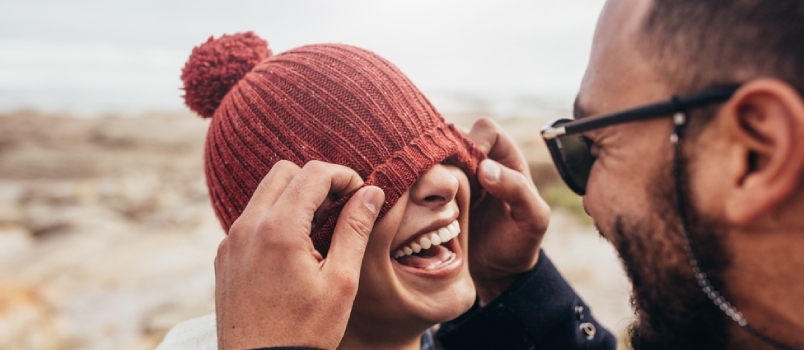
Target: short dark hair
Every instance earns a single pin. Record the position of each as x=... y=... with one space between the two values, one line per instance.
x=699 y=44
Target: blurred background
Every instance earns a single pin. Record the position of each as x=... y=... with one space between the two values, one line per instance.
x=107 y=236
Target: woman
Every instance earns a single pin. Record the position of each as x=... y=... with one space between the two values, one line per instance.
x=345 y=105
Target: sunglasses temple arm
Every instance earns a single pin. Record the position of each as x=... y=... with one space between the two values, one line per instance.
x=648 y=112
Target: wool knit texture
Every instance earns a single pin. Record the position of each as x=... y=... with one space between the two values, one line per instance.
x=334 y=103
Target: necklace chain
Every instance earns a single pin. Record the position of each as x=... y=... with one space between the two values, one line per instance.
x=680 y=120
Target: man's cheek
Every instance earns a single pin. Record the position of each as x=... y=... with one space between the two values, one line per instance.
x=596 y=199
x=606 y=200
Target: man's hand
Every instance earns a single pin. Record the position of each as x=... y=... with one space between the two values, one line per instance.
x=507 y=227
x=272 y=288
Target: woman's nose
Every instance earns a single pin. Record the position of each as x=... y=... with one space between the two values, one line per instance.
x=437 y=187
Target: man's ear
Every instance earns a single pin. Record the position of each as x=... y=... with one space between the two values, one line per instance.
x=764 y=121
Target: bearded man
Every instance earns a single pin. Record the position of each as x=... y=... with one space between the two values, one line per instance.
x=703 y=200
x=688 y=149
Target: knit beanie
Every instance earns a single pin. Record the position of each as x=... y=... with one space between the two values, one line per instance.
x=334 y=103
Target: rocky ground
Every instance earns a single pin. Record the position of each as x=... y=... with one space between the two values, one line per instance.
x=107 y=237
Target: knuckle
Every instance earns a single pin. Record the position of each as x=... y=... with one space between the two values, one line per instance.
x=484 y=132
x=284 y=164
x=346 y=282
x=360 y=225
x=274 y=233
x=267 y=224
x=223 y=249
x=265 y=184
x=283 y=169
x=315 y=165
x=254 y=229
x=517 y=181
x=519 y=190
x=316 y=169
x=485 y=123
x=279 y=169
x=239 y=227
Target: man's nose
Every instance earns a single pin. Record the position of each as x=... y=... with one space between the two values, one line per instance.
x=437 y=187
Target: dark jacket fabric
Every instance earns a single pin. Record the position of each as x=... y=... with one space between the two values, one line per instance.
x=539 y=311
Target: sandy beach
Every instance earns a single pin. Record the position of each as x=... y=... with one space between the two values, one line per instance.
x=107 y=236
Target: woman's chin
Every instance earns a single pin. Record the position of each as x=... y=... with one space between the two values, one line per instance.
x=413 y=311
x=446 y=304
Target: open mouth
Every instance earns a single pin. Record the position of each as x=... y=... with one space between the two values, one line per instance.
x=430 y=251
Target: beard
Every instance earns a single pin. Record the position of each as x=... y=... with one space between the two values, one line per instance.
x=672 y=310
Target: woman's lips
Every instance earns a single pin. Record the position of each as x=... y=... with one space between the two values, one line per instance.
x=429 y=259
x=428 y=240
x=433 y=254
x=441 y=261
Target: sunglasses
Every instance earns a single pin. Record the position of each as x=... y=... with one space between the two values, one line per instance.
x=571 y=151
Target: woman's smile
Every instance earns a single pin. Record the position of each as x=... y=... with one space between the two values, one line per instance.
x=433 y=253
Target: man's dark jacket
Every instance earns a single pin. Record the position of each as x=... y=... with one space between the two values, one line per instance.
x=539 y=311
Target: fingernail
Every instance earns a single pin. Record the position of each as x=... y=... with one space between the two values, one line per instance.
x=373 y=199
x=490 y=170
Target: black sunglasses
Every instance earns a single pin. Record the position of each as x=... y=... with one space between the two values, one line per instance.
x=571 y=151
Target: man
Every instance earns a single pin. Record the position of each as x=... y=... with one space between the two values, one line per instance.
x=701 y=194
x=741 y=164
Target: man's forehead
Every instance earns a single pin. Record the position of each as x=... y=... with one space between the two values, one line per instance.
x=618 y=75
x=579 y=111
x=621 y=20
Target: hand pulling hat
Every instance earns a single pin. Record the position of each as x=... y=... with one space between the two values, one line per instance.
x=329 y=102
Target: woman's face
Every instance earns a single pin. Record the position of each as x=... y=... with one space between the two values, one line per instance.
x=415 y=271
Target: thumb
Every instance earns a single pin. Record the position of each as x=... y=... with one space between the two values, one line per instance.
x=514 y=188
x=352 y=231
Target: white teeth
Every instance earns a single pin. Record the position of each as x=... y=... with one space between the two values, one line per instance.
x=444 y=234
x=427 y=241
x=454 y=229
x=435 y=238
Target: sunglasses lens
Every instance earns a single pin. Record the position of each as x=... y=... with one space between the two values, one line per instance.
x=573 y=160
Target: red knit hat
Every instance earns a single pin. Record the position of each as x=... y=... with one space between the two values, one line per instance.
x=334 y=103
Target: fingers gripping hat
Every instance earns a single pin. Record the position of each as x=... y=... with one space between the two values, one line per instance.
x=333 y=103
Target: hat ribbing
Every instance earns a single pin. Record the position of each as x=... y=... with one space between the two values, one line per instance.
x=334 y=103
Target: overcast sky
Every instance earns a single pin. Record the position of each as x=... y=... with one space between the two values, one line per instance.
x=90 y=56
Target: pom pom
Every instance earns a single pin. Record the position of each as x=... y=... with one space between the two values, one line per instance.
x=216 y=66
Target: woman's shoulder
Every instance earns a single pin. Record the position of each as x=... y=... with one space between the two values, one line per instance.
x=197 y=333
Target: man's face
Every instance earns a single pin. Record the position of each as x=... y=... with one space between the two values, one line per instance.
x=631 y=191
x=415 y=272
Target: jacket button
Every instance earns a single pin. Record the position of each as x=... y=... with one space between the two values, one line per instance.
x=579 y=312
x=588 y=330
